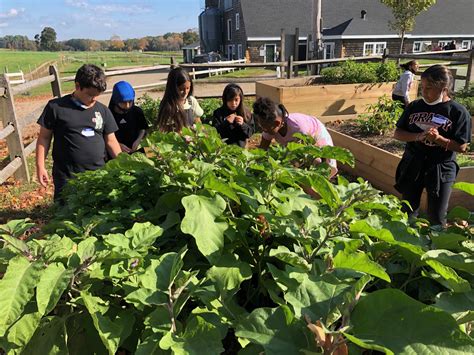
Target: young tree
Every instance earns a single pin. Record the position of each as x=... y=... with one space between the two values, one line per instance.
x=404 y=12
x=48 y=39
x=116 y=43
x=190 y=36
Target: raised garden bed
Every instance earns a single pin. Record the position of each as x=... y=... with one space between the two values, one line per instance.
x=378 y=166
x=322 y=100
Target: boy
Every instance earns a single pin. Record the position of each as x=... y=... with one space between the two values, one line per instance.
x=82 y=128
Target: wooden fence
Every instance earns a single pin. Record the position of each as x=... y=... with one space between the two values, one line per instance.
x=12 y=127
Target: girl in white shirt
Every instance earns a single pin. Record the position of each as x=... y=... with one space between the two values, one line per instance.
x=403 y=86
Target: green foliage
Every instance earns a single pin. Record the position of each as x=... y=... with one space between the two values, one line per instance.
x=351 y=72
x=466 y=98
x=209 y=106
x=150 y=108
x=381 y=117
x=405 y=13
x=205 y=248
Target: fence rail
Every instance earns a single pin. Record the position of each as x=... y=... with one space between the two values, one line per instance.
x=12 y=126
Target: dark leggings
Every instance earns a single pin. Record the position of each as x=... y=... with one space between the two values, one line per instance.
x=437 y=203
x=399 y=98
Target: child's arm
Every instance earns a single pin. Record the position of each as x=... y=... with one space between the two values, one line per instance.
x=42 y=147
x=112 y=145
x=137 y=141
x=264 y=144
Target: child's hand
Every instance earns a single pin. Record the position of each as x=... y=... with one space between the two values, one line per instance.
x=125 y=148
x=432 y=135
x=43 y=177
x=239 y=120
x=231 y=118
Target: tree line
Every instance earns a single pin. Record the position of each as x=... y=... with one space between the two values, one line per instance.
x=47 y=41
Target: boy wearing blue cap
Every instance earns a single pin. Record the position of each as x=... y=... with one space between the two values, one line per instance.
x=81 y=128
x=130 y=119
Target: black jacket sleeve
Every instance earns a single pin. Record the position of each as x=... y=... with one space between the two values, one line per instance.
x=247 y=129
x=225 y=129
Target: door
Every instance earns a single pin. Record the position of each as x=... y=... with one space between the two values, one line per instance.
x=329 y=50
x=270 y=50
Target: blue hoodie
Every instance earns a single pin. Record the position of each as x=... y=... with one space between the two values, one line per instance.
x=122 y=92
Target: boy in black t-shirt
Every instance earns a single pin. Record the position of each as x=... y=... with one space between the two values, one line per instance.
x=83 y=129
x=434 y=128
x=130 y=119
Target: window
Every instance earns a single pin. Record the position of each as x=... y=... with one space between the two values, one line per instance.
x=229 y=30
x=239 y=52
x=237 y=21
x=227 y=4
x=421 y=46
x=230 y=52
x=374 y=48
x=443 y=43
x=466 y=44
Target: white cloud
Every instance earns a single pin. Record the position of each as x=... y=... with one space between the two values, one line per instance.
x=112 y=8
x=11 y=13
x=108 y=25
x=3 y=24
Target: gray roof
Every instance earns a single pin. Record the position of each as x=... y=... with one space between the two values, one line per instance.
x=265 y=18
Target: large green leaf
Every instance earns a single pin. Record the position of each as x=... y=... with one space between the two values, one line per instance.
x=20 y=333
x=228 y=273
x=390 y=321
x=50 y=338
x=16 y=289
x=112 y=332
x=461 y=261
x=200 y=222
x=16 y=227
x=162 y=272
x=151 y=346
x=277 y=331
x=200 y=337
x=143 y=235
x=465 y=186
x=287 y=256
x=315 y=297
x=53 y=281
x=359 y=261
x=459 y=305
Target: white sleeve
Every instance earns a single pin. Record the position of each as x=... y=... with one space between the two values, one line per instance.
x=406 y=81
x=197 y=109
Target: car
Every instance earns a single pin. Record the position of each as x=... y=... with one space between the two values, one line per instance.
x=207 y=58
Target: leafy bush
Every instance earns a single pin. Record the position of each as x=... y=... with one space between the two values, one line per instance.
x=351 y=72
x=466 y=98
x=205 y=248
x=150 y=108
x=209 y=106
x=380 y=117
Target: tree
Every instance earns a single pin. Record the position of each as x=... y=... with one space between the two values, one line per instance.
x=116 y=43
x=190 y=36
x=48 y=39
x=404 y=12
x=143 y=44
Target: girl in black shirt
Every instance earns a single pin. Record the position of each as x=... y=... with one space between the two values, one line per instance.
x=233 y=120
x=435 y=129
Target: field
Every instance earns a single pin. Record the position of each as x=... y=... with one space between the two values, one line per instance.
x=69 y=62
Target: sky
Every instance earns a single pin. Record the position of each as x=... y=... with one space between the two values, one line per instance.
x=98 y=19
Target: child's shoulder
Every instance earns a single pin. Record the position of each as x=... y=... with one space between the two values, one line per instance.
x=458 y=107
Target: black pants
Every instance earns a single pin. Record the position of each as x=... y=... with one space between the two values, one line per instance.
x=437 y=202
x=401 y=99
x=60 y=180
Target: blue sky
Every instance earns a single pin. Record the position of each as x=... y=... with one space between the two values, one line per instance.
x=98 y=19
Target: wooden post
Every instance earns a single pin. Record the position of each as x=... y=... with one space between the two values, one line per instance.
x=173 y=62
x=470 y=71
x=14 y=140
x=386 y=52
x=309 y=43
x=194 y=73
x=316 y=27
x=56 y=84
x=282 y=50
x=297 y=47
x=289 y=68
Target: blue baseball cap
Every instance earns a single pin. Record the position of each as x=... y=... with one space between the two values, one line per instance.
x=123 y=92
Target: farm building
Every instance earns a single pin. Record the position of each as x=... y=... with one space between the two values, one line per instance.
x=250 y=28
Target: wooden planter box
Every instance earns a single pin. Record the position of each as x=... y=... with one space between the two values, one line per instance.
x=327 y=102
x=379 y=166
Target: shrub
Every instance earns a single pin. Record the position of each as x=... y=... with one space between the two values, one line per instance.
x=466 y=98
x=150 y=108
x=380 y=117
x=351 y=72
x=209 y=106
